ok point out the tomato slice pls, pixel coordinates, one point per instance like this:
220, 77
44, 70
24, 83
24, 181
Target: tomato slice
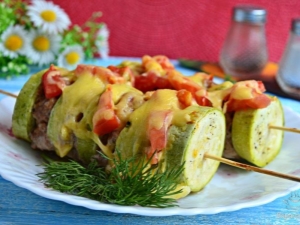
150, 81
202, 79
114, 68
160, 64
110, 75
163, 83
182, 83
179, 82
53, 82
258, 102
163, 61
106, 125
185, 98
144, 83
105, 119
203, 101
124, 72
261, 86
247, 95
158, 124
84, 68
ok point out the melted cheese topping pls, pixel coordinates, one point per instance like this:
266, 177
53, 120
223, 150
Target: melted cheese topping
160, 101
156, 121
150, 64
119, 90
199, 78
78, 99
242, 92
126, 100
217, 93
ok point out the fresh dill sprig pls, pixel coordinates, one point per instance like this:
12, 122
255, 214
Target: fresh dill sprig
130, 182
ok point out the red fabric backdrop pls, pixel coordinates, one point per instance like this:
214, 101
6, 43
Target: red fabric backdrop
193, 29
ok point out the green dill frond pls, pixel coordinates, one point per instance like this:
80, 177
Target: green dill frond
129, 182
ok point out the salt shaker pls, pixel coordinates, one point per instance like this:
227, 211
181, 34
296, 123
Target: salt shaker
288, 75
244, 53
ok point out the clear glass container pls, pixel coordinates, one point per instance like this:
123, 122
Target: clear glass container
288, 75
244, 53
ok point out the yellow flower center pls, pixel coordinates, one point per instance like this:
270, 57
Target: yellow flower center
48, 15
41, 43
72, 57
14, 42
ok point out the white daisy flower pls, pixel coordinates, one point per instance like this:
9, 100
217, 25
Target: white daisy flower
103, 49
43, 47
14, 41
71, 57
102, 41
50, 17
103, 32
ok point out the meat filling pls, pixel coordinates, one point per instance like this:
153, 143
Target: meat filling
41, 113
229, 152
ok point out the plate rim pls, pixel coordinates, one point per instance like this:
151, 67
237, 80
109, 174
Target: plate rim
144, 211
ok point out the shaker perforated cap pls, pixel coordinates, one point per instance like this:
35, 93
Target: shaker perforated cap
249, 13
296, 26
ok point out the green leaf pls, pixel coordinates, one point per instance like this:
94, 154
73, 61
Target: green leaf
12, 67
85, 35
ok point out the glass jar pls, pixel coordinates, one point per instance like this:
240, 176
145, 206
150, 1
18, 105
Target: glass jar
288, 75
244, 53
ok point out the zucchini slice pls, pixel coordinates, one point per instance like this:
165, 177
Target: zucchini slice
252, 138
187, 143
22, 119
72, 115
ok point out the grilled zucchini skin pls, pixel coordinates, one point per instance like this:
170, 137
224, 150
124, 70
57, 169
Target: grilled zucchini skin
252, 138
187, 144
71, 117
22, 119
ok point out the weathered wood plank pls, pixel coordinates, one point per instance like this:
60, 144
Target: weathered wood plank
19, 206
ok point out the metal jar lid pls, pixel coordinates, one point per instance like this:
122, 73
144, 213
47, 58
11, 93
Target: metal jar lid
296, 26
249, 13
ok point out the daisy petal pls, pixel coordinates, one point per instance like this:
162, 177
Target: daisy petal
14, 41
43, 47
50, 17
71, 57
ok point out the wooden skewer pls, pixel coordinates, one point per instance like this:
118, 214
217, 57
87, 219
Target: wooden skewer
233, 163
252, 168
270, 126
285, 128
9, 94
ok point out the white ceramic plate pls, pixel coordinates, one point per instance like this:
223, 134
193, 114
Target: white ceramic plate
230, 189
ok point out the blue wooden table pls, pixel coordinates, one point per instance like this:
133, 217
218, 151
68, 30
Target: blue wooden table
20, 206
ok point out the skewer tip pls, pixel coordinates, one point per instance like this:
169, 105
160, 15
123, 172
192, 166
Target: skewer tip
252, 168
8, 94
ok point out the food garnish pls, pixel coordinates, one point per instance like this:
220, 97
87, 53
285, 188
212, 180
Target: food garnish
126, 183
